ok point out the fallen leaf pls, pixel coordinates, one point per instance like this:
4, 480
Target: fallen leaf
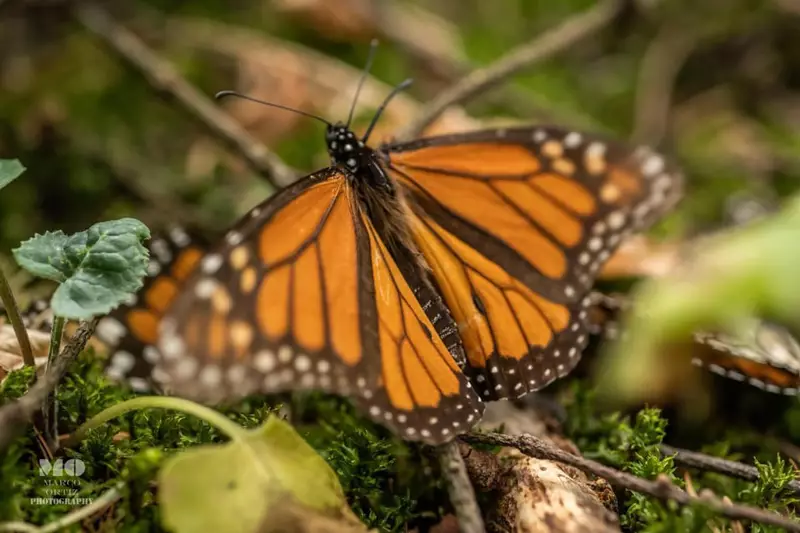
232, 487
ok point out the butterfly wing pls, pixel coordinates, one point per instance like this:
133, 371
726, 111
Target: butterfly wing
764, 354
303, 294
516, 224
130, 331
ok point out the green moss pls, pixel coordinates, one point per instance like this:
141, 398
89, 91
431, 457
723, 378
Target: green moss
388, 483
633, 446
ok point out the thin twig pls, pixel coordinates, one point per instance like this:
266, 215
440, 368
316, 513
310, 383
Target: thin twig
702, 461
16, 415
525, 56
50, 407
462, 494
107, 499
660, 488
661, 64
10, 304
165, 79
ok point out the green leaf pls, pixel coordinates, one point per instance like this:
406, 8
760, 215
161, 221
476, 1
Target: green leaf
97, 268
10, 169
231, 487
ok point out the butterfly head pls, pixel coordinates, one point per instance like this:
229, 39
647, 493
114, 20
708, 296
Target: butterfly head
344, 147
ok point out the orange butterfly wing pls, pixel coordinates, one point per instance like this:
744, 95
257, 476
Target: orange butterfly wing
515, 225
304, 294
763, 354
130, 331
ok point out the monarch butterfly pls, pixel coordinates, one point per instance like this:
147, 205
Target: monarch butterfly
761, 353
418, 278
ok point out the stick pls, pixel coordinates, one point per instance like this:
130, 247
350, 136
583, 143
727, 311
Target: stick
525, 56
662, 489
18, 414
462, 494
701, 461
661, 64
165, 79
10, 304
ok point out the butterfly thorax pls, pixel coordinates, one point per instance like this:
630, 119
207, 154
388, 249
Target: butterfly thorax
362, 162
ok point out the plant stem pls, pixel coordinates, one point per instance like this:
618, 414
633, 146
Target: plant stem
55, 341
219, 421
10, 304
50, 407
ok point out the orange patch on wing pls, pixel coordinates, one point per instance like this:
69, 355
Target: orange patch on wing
392, 377
307, 302
143, 325
272, 303
557, 314
561, 224
567, 191
751, 369
338, 249
386, 297
185, 263
295, 223
439, 368
510, 340
628, 185
534, 326
487, 159
160, 294
422, 387
241, 336
475, 201
217, 336
192, 333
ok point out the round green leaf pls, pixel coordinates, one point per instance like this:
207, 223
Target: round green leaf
230, 488
98, 268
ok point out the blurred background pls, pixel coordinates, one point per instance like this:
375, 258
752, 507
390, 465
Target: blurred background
714, 82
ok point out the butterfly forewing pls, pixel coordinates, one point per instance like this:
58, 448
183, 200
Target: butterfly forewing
130, 331
304, 294
516, 224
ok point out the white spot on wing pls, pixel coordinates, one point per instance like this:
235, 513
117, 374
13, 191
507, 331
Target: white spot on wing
264, 361
211, 263
110, 330
572, 139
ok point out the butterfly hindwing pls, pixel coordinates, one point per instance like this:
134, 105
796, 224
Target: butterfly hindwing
130, 331
516, 224
303, 293
764, 354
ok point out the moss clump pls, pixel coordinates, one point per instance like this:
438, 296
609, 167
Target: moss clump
631, 443
388, 483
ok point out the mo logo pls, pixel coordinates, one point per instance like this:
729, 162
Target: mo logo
59, 467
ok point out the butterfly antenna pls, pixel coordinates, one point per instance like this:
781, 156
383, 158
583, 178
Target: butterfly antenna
373, 47
404, 85
222, 94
